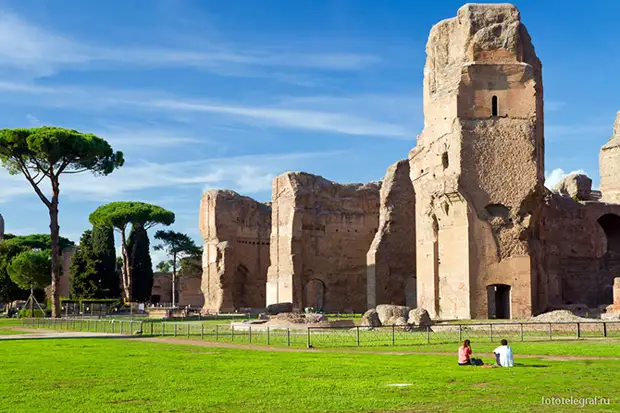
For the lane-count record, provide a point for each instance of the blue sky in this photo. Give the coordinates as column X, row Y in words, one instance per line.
column 229, row 94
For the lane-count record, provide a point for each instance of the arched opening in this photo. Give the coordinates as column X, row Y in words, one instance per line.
column 314, row 294
column 498, row 296
column 611, row 226
column 155, row 299
column 241, row 278
column 494, row 108
column 445, row 161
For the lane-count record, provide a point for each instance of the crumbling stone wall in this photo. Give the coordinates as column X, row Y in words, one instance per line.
column 609, row 164
column 478, row 166
column 321, row 233
column 190, row 293
column 161, row 292
column 580, row 245
column 236, row 231
column 390, row 272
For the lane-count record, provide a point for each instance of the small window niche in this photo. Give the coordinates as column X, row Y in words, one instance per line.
column 494, row 106
column 445, row 161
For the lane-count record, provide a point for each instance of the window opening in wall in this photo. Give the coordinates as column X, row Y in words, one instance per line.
column 494, row 105
column 444, row 160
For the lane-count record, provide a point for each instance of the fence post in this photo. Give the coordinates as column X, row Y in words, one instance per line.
column 131, row 327
column 550, row 331
column 216, row 331
column 308, row 341
column 288, row 337
column 202, row 331
column 578, row 330
column 521, row 331
column 491, row 332
column 604, row 329
column 163, row 329
column 175, row 330
column 460, row 333
column 268, row 336
column 428, row 334
column 358, row 336
column 393, row 334
column 105, row 326
column 232, row 333
column 250, row 334
column 151, row 328
column 189, row 328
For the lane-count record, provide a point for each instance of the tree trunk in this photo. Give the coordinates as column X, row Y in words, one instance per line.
column 174, row 279
column 55, row 239
column 126, row 270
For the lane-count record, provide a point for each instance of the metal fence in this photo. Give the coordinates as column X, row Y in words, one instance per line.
column 338, row 336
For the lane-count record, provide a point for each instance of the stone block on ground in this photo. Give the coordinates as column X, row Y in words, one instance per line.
column 388, row 312
column 279, row 308
column 370, row 319
column 419, row 317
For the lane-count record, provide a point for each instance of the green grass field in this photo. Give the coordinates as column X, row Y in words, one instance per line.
column 126, row 375
column 9, row 326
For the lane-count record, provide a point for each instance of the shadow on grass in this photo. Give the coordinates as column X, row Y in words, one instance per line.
column 521, row 365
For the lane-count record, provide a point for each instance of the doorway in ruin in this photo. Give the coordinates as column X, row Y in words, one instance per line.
column 611, row 226
column 609, row 264
column 241, row 279
column 155, row 299
column 314, row 294
column 498, row 296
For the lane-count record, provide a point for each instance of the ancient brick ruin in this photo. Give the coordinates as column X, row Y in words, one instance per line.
column 478, row 168
column 235, row 230
column 463, row 228
column 390, row 262
column 320, row 236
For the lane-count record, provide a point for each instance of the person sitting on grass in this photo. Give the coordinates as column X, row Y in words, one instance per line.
column 464, row 355
column 503, row 355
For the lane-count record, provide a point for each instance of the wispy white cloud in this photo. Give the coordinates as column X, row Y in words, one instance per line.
column 334, row 122
column 245, row 174
column 585, row 131
column 41, row 52
column 32, row 120
column 147, row 137
column 381, row 116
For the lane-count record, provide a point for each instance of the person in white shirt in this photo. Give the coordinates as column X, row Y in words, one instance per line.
column 503, row 355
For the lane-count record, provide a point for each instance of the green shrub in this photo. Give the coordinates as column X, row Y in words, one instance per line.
column 27, row 313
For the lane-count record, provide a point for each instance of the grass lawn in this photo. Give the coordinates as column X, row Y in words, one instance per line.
column 7, row 326
column 100, row 375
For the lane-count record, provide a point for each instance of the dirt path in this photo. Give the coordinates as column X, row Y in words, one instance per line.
column 33, row 334
column 201, row 343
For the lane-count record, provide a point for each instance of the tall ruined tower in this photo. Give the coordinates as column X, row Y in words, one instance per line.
column 478, row 169
column 609, row 165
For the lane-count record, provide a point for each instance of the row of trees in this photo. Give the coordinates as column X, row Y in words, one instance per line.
column 42, row 155
column 25, row 263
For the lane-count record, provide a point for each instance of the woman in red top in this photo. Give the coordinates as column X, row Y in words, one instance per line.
column 464, row 353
